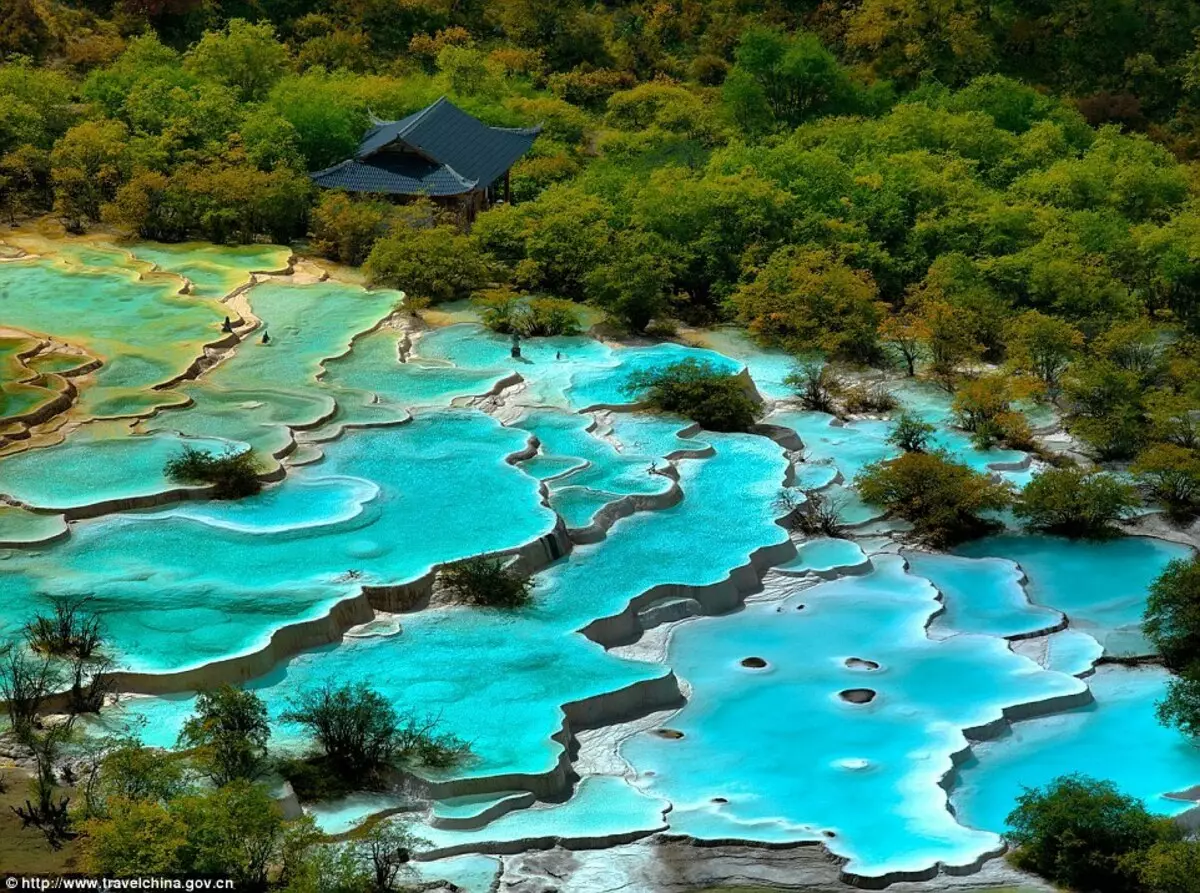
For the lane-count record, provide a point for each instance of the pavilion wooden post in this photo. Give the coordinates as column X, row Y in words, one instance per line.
column 507, row 188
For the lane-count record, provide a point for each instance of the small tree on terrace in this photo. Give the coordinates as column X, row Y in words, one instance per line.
column 943, row 500
column 911, row 433
column 817, row 385
column 229, row 732
column 1043, row 346
column 907, row 336
column 1078, row 831
column 233, row 473
column 1172, row 475
column 1076, row 503
column 71, row 634
column 1172, row 619
column 361, row 734
column 699, row 390
column 488, row 582
column 25, row 682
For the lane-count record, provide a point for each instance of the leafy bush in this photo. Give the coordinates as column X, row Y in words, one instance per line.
column 1169, row 866
column 911, row 433
column 815, row 514
column 233, row 474
column 1172, row 619
column 1076, row 503
column 1105, row 408
column 236, row 832
column 360, row 734
column 229, row 732
column 713, row 399
column 436, row 262
column 1172, row 475
column 1080, row 832
column 1043, row 346
column 130, row 772
column 944, row 500
column 506, row 311
column 488, row 582
column 70, row 631
column 983, row 406
column 817, row 385
column 863, row 397
column 1180, row 707
column 1172, row 624
column 315, row 779
column 810, row 299
column 346, row 228
column 552, row 316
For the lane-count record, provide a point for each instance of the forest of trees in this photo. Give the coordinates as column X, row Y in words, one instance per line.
column 930, row 189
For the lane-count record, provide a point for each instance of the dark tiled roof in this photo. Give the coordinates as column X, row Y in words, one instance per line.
column 394, row 174
column 455, row 153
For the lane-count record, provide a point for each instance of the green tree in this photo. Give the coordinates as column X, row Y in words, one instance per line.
column 1105, row 409
column 360, row 734
column 232, row 474
column 907, row 335
column 136, row 837
column 809, row 299
column 346, row 228
column 1171, row 866
column 712, row 398
column 1075, row 503
column 88, row 165
column 147, row 206
column 1043, row 346
column 911, row 40
column 563, row 237
column 911, row 433
column 1078, row 832
column 712, row 228
column 633, row 283
column 244, row 56
column 326, row 113
column 234, row 832
column 22, row 29
column 1134, row 346
column 1172, row 620
column 488, row 582
column 950, row 335
column 1174, row 419
column 817, row 385
column 983, row 406
column 783, row 79
column 130, row 773
column 228, row 733
column 1172, row 475
column 434, row 263
column 945, row 501
column 1180, row 707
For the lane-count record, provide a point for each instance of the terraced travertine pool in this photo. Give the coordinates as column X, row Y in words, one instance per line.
column 731, row 681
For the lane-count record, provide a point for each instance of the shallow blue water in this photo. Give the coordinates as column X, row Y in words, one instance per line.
column 824, row 554
column 1101, row 585
column 772, row 754
column 868, row 773
column 84, row 471
column 1117, row 738
column 181, row 587
column 983, row 595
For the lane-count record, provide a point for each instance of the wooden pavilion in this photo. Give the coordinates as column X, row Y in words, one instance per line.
column 440, row 153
